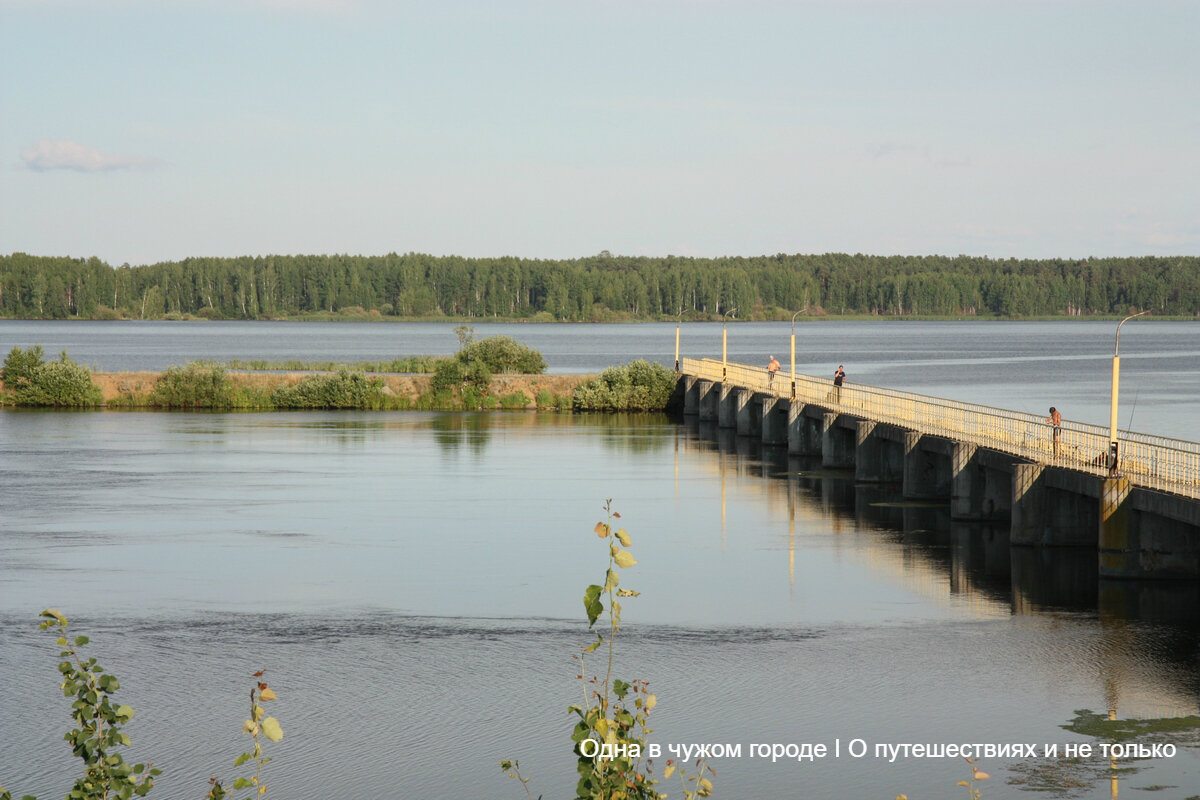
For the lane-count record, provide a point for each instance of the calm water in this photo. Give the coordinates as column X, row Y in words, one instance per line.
column 1027, row 366
column 412, row 581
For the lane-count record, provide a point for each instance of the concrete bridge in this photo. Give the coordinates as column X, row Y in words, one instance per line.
column 988, row 463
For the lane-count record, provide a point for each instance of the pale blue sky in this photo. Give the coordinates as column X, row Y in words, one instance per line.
column 146, row 130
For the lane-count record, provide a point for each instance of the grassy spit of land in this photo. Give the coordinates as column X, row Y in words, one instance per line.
column 494, row 373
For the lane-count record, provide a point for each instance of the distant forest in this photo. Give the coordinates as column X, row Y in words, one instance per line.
column 600, row 288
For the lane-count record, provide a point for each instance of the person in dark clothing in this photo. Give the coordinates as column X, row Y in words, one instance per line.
column 838, row 378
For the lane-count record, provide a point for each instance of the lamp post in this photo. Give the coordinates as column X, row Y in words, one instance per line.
column 794, row 355
column 1113, row 447
column 725, row 342
column 678, row 323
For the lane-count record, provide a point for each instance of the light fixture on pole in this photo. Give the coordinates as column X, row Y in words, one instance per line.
column 1113, row 447
column 794, row 354
column 678, row 322
column 725, row 342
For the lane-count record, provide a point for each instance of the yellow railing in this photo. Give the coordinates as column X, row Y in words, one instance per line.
column 1156, row 462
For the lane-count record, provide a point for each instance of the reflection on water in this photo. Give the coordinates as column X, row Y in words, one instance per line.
column 412, row 581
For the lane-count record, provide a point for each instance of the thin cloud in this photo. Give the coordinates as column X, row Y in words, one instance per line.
column 49, row 154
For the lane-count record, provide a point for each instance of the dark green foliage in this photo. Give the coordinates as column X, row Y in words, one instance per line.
column 343, row 390
column 514, row 400
column 636, row 386
column 406, row 364
column 20, row 364
column 503, row 354
column 193, row 386
column 448, row 375
column 600, row 288
column 57, row 383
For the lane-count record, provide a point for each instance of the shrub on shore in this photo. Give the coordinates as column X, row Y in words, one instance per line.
column 49, row 383
column 193, row 386
column 343, row 390
column 636, row 386
column 503, row 354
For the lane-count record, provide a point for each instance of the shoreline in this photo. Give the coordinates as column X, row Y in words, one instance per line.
column 131, row 390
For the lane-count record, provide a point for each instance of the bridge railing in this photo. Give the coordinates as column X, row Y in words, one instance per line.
column 1156, row 462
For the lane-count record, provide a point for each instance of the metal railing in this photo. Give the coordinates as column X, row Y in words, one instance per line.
column 1156, row 462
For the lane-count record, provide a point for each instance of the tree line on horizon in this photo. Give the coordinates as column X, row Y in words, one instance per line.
column 601, row 288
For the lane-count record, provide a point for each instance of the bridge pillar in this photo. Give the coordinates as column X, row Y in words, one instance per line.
column 1145, row 534
column 748, row 413
column 1043, row 514
column 775, row 420
column 802, row 439
column 708, row 400
column 877, row 456
column 837, row 443
column 926, row 466
column 981, row 483
column 691, row 395
column 727, row 406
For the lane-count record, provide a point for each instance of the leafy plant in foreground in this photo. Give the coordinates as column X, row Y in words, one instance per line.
column 258, row 727
column 610, row 734
column 98, row 724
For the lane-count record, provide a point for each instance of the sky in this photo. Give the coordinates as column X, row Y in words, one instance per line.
column 140, row 131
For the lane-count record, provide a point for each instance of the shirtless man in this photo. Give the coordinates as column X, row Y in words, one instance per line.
column 1055, row 420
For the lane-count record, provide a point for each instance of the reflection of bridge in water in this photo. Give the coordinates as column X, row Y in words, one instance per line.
column 1050, row 488
column 972, row 566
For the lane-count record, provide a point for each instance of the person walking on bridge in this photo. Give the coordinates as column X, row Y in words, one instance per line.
column 1055, row 420
column 839, row 378
column 772, row 368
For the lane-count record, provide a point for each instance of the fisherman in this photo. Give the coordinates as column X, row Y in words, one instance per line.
column 1055, row 420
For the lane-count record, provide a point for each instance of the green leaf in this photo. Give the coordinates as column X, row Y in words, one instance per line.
column 611, row 580
column 624, row 558
column 124, row 713
column 271, row 729
column 242, row 759
column 592, row 604
column 242, row 783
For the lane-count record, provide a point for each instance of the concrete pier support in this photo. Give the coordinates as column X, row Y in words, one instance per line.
column 747, row 414
column 1146, row 534
column 804, row 435
column 926, row 466
column 1045, row 511
column 837, row 443
column 775, row 413
column 691, row 395
column 727, row 406
column 981, row 483
column 708, row 400
column 878, row 453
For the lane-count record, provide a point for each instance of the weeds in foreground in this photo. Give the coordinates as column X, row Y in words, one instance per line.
column 99, row 721
column 610, row 734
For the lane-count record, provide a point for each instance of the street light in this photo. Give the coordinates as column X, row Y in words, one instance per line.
column 794, row 353
column 678, row 322
column 725, row 342
column 1116, row 377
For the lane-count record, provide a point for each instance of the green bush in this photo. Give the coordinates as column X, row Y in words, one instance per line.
column 55, row 383
column 637, row 386
column 193, row 386
column 545, row 398
column 514, row 400
column 448, row 375
column 343, row 390
column 20, row 364
column 503, row 354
